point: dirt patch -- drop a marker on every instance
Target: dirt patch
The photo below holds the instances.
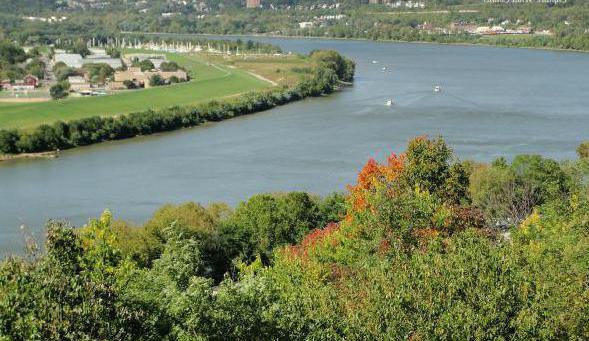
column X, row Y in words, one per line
column 23, row 100
column 44, row 155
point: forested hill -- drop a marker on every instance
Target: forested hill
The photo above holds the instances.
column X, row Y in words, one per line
column 563, row 25
column 421, row 247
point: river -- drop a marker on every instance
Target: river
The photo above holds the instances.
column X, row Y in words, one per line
column 494, row 101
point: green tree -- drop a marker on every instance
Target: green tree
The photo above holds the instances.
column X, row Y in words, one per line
column 583, row 150
column 169, row 66
column 156, row 80
column 59, row 90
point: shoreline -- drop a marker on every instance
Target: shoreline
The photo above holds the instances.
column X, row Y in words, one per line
column 23, row 156
column 264, row 35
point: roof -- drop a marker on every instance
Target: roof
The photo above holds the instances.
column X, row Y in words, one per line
column 103, row 59
column 70, row 59
column 76, row 80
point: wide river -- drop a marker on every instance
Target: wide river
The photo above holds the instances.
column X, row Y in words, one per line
column 494, row 101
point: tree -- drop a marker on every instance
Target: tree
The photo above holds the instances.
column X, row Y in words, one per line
column 169, row 66
column 156, row 80
column 129, row 84
column 113, row 52
column 59, row 90
column 8, row 141
column 583, row 150
column 145, row 65
column 80, row 47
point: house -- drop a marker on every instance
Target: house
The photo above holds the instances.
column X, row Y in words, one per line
column 6, row 84
column 29, row 82
column 78, row 84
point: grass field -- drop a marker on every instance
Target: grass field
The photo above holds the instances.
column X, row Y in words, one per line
column 279, row 69
column 210, row 81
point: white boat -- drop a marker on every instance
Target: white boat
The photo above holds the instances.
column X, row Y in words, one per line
column 437, row 88
column 389, row 102
column 384, row 68
column 375, row 62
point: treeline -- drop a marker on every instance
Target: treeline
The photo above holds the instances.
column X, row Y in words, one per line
column 330, row 68
column 412, row 251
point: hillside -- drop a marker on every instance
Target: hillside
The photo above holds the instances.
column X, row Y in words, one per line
column 421, row 247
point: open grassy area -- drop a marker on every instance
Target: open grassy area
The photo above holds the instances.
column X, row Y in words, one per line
column 283, row 70
column 210, row 81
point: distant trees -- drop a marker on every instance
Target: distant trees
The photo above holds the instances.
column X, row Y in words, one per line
column 145, row 65
column 11, row 53
column 10, row 56
column 36, row 68
column 343, row 67
column 80, row 47
column 62, row 71
column 129, row 84
column 99, row 73
column 113, row 52
column 156, row 80
column 169, row 66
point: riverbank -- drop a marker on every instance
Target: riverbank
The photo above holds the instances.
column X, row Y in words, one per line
column 280, row 36
column 21, row 156
column 326, row 70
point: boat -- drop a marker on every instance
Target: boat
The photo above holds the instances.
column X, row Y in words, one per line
column 437, row 88
column 375, row 62
column 384, row 68
column 389, row 102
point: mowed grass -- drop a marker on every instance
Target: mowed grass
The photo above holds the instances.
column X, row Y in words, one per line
column 208, row 82
column 279, row 69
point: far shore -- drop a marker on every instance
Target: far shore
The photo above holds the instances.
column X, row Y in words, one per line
column 269, row 35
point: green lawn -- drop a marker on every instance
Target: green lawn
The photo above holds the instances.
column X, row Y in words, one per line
column 209, row 82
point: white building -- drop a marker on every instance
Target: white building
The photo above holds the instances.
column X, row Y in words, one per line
column 115, row 63
column 70, row 59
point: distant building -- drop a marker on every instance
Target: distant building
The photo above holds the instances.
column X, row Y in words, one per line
column 76, row 61
column 30, row 82
column 6, row 84
column 70, row 59
column 115, row 63
column 78, row 84
column 463, row 27
column 252, row 3
column 141, row 78
column 306, row 24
